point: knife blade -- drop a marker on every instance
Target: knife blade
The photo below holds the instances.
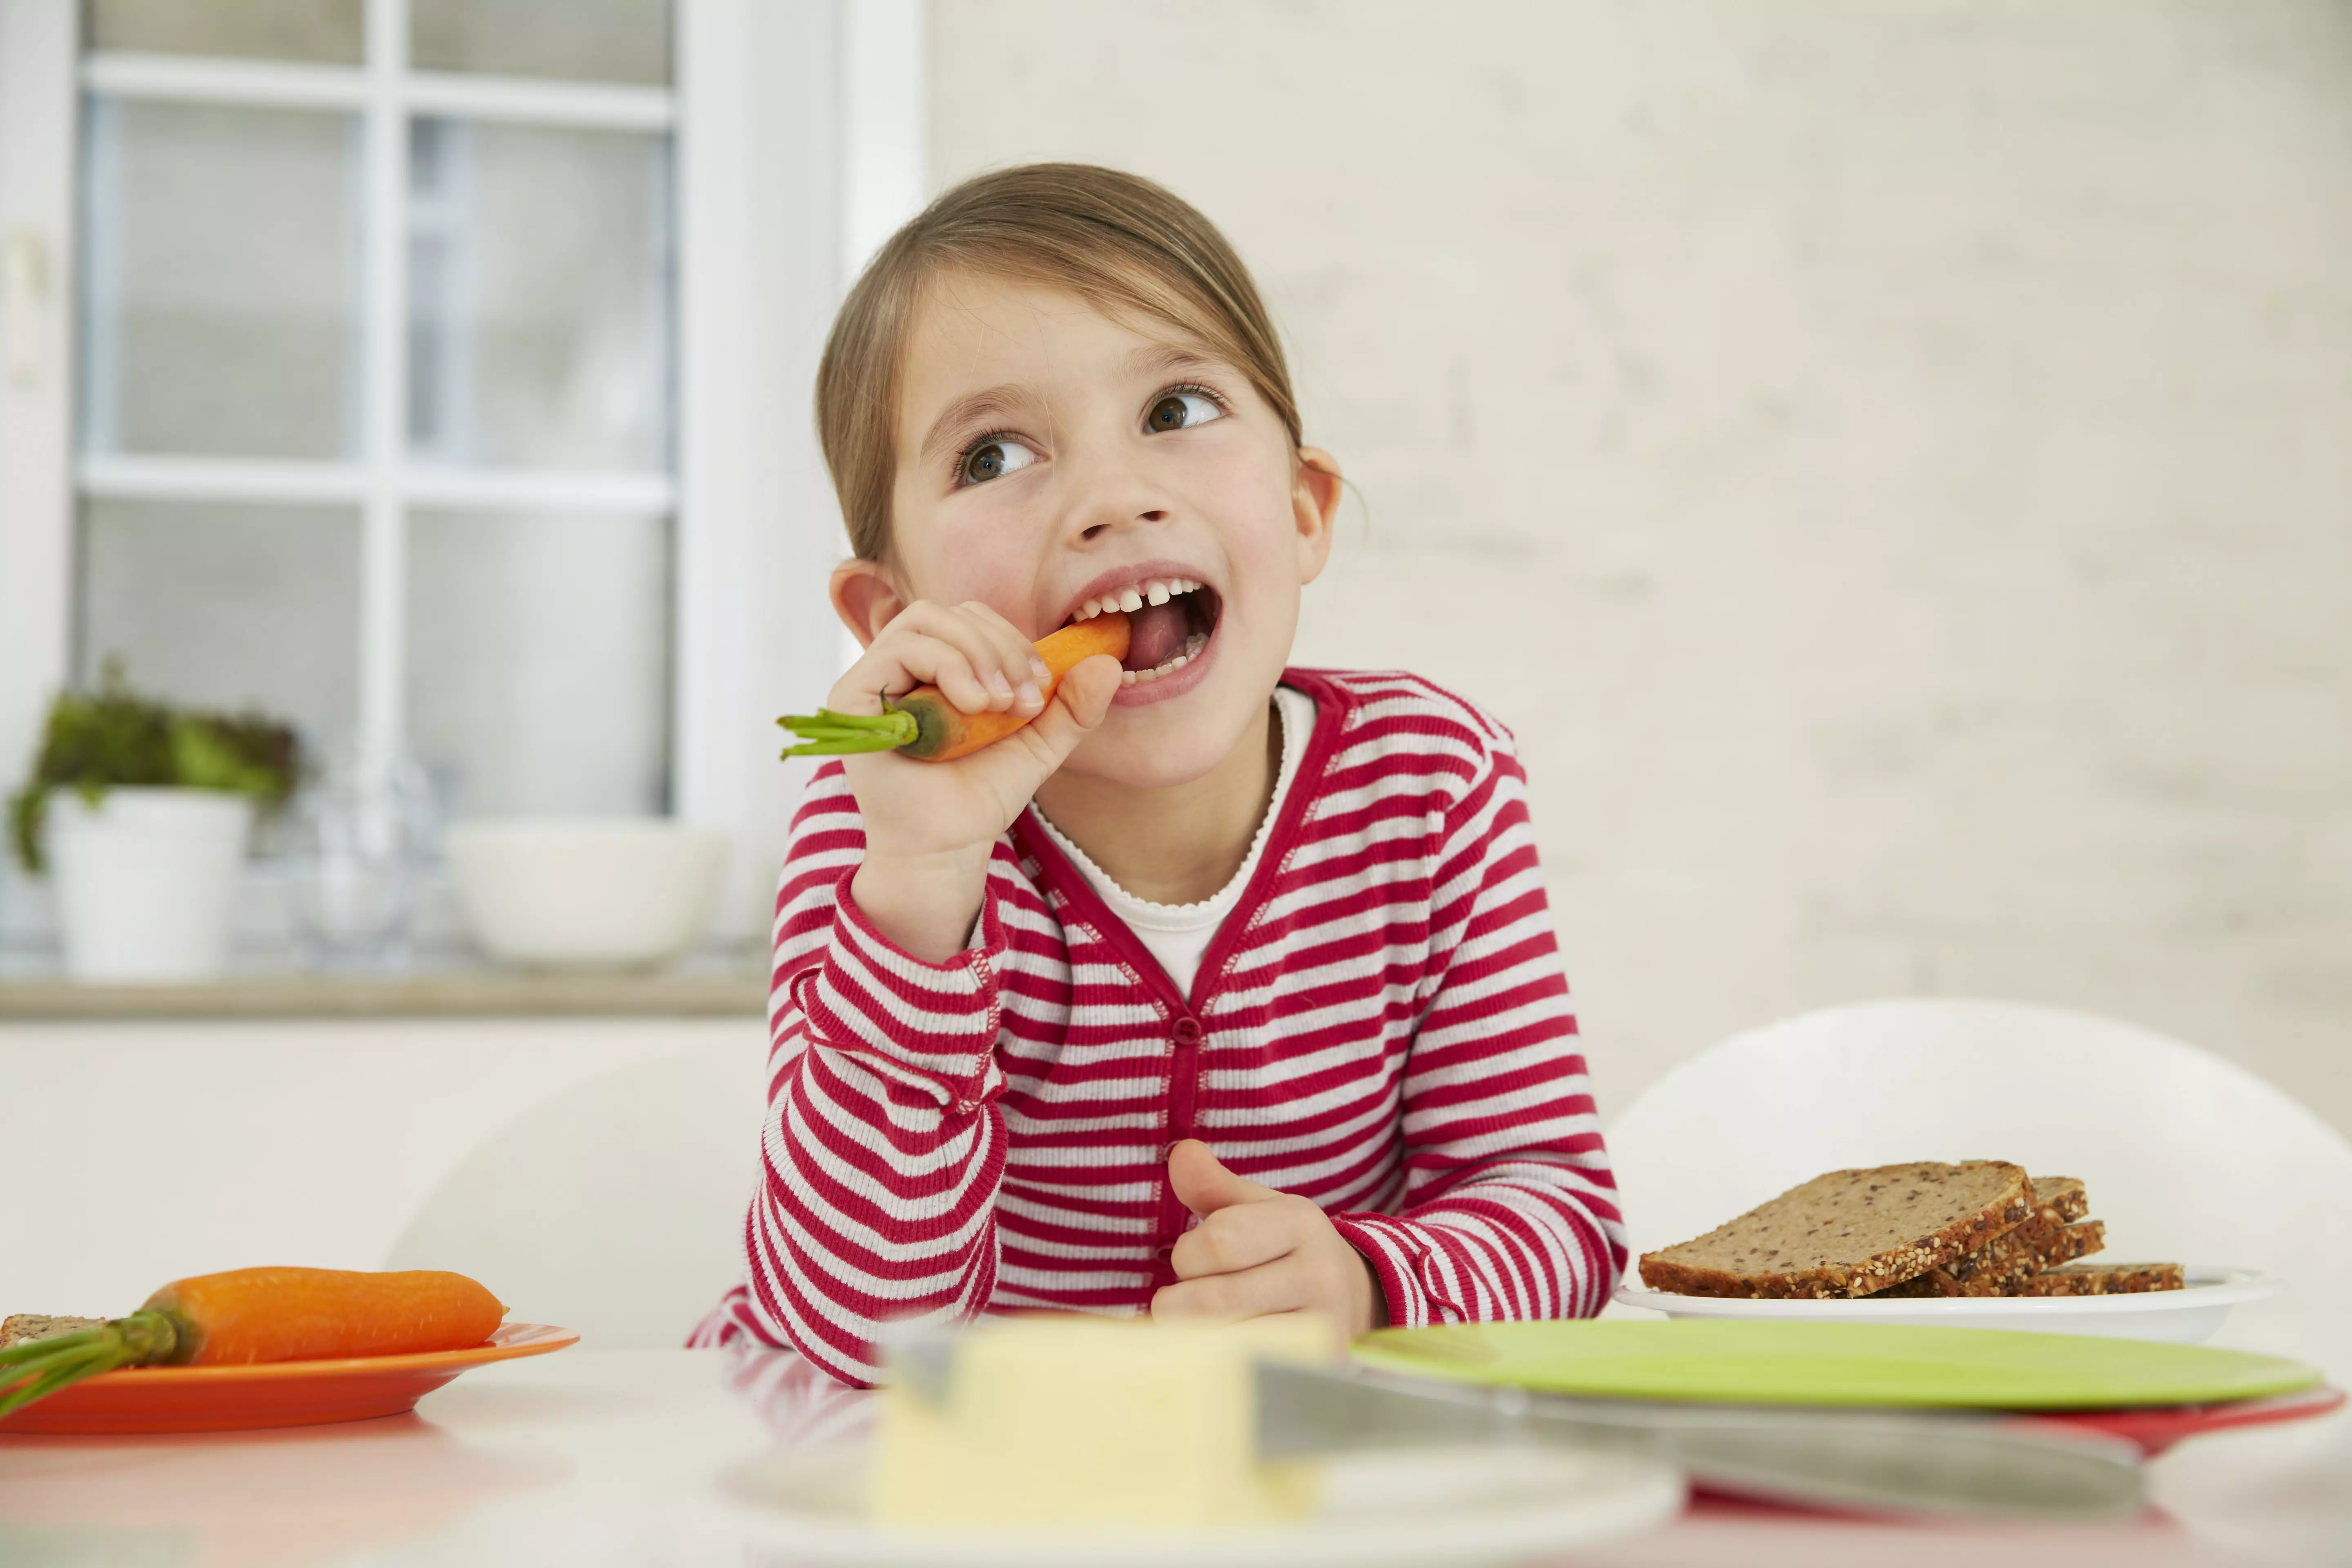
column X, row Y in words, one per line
column 1959, row 1463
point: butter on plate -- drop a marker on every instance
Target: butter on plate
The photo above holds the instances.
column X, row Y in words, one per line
column 1073, row 1422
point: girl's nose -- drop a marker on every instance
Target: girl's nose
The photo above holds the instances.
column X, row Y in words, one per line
column 1091, row 531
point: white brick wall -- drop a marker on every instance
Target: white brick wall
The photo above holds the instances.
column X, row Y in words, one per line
column 1892, row 465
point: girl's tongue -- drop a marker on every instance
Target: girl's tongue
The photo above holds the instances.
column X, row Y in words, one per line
column 1156, row 633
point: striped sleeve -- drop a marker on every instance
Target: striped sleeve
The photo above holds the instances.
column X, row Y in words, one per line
column 884, row 1146
column 1510, row 1210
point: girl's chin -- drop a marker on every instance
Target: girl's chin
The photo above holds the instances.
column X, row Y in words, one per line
column 1176, row 683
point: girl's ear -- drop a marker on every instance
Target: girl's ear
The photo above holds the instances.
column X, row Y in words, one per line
column 1314, row 502
column 865, row 598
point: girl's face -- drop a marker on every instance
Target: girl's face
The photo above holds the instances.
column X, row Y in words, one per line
column 1053, row 462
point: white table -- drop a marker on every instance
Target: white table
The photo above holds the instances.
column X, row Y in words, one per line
column 616, row 1457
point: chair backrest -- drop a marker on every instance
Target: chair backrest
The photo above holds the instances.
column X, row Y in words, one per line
column 2186, row 1157
column 615, row 1208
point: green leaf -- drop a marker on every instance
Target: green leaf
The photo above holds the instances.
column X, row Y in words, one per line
column 96, row 741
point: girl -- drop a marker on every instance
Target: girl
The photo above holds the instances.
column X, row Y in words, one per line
column 1220, row 989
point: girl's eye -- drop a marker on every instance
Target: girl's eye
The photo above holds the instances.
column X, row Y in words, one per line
column 993, row 458
column 1181, row 411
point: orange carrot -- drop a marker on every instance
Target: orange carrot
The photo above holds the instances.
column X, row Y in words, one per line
column 261, row 1315
column 925, row 725
column 317, row 1314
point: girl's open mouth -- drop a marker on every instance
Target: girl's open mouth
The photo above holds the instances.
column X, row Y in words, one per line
column 1170, row 621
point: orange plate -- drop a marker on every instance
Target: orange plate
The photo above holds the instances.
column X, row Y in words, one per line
column 272, row 1394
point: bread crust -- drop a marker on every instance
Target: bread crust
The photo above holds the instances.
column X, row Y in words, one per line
column 2107, row 1280
column 2005, row 1265
column 1849, row 1232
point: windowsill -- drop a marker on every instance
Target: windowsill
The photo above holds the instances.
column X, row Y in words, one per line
column 690, row 991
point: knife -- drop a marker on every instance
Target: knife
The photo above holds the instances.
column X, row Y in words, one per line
column 1957, row 1462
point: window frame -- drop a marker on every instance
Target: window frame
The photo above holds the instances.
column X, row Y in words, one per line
column 798, row 144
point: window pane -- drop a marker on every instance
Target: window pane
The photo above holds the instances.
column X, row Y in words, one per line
column 539, row 661
column 587, row 40
column 221, row 280
column 227, row 605
column 328, row 32
column 539, row 307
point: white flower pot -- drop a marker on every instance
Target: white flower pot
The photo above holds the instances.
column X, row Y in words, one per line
column 146, row 881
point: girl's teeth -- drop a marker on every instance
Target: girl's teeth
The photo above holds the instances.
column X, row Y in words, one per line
column 1157, row 590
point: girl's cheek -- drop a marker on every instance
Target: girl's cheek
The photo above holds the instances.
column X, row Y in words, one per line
column 979, row 555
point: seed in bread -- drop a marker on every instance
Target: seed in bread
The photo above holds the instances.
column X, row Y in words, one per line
column 1849, row 1232
column 2107, row 1280
column 23, row 1326
column 2064, row 1196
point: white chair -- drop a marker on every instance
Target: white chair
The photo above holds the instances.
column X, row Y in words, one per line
column 615, row 1208
column 2186, row 1157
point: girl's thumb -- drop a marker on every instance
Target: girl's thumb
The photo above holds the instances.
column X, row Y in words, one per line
column 1203, row 1184
column 1088, row 689
column 1079, row 702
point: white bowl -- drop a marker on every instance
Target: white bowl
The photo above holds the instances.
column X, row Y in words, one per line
column 585, row 892
column 2184, row 1317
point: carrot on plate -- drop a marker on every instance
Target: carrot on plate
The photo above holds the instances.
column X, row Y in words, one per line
column 250, row 1315
column 925, row 725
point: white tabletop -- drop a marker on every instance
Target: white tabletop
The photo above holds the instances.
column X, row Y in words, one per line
column 590, row 1458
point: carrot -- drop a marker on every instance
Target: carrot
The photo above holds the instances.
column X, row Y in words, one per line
column 925, row 725
column 251, row 1315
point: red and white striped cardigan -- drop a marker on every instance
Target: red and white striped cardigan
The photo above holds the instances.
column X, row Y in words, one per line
column 1381, row 1025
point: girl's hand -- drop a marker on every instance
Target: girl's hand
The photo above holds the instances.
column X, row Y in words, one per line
column 1257, row 1252
column 929, row 826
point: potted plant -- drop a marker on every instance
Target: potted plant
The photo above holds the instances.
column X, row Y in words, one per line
column 142, row 812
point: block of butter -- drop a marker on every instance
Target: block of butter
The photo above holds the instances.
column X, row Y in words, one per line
column 1067, row 1422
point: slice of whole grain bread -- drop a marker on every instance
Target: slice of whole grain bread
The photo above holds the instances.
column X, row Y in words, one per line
column 2107, row 1280
column 2005, row 1265
column 1849, row 1232
column 23, row 1326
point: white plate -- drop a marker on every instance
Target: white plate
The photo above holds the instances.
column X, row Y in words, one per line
column 2184, row 1316
column 1428, row 1507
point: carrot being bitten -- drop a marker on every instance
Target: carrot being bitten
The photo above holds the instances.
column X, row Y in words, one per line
column 250, row 1315
column 925, row 725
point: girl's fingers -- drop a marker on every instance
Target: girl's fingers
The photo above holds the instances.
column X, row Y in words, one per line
column 1000, row 657
column 959, row 629
column 1235, row 1238
column 1025, row 673
column 1224, row 1298
column 901, row 660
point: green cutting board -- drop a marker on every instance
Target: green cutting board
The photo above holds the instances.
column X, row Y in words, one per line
column 1831, row 1363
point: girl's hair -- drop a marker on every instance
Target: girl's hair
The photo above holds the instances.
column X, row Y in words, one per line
column 1122, row 243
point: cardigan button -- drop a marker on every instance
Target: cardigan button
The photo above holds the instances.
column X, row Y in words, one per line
column 1187, row 1031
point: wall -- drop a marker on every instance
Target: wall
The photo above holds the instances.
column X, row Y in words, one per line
column 1892, row 466
column 300, row 1141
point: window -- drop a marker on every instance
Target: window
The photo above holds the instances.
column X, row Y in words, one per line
column 438, row 373
column 376, row 315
